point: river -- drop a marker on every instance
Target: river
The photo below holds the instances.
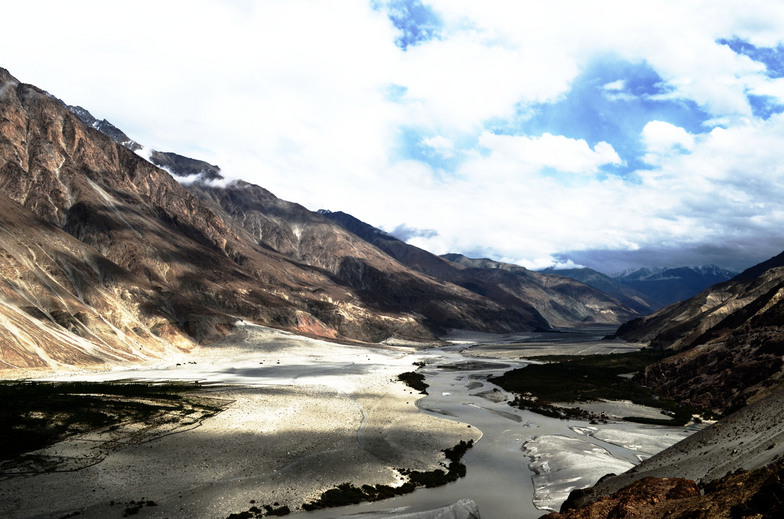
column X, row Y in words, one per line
column 523, row 464
column 499, row 477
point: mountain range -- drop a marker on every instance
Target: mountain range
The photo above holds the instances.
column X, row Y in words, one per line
column 106, row 257
column 728, row 341
column 649, row 289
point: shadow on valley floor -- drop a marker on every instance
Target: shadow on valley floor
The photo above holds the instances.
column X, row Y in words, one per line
column 238, row 456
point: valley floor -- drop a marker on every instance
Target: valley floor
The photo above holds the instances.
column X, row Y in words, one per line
column 302, row 416
column 308, row 415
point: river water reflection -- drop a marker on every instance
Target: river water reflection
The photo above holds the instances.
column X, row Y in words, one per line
column 571, row 454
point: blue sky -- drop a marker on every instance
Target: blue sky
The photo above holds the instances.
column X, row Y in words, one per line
column 607, row 134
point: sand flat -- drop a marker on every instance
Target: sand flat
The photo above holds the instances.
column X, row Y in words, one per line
column 305, row 416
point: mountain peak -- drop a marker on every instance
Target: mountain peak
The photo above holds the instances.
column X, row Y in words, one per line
column 104, row 127
column 184, row 168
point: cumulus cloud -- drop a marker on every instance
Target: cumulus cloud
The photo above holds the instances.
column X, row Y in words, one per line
column 314, row 100
column 441, row 145
column 550, row 151
column 662, row 139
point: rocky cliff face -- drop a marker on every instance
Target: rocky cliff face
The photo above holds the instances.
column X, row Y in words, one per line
column 758, row 494
column 104, row 250
column 186, row 271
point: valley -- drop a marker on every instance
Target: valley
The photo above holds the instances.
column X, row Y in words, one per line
column 267, row 343
column 301, row 416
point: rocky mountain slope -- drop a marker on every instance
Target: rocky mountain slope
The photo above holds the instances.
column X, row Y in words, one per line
column 316, row 241
column 562, row 301
column 728, row 347
column 126, row 257
column 729, row 339
column 665, row 286
column 757, row 494
column 732, row 468
column 630, row 297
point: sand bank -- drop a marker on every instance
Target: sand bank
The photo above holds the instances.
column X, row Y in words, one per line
column 308, row 416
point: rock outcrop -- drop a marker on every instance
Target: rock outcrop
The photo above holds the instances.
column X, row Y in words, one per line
column 758, row 494
column 736, row 461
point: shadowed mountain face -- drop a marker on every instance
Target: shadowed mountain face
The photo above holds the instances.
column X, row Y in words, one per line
column 666, row 286
column 563, row 302
column 377, row 279
column 623, row 293
column 103, row 250
column 730, row 340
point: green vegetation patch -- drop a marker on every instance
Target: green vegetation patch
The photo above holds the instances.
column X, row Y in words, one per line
column 35, row 415
column 584, row 378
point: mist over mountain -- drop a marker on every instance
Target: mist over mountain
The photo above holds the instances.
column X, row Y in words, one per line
column 106, row 259
column 165, row 265
column 167, row 268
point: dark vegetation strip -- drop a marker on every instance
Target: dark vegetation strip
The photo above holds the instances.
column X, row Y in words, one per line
column 348, row 494
column 414, row 380
column 34, row 415
column 265, row 511
column 584, row 378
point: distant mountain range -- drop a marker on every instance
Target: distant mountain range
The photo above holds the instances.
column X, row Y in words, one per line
column 648, row 289
column 668, row 285
column 561, row 301
column 106, row 258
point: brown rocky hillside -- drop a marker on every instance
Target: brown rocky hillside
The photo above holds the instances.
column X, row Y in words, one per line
column 127, row 258
column 729, row 342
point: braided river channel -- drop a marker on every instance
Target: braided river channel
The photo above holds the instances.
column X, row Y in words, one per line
column 525, row 464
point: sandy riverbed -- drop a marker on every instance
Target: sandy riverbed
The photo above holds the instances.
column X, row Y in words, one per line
column 309, row 415
column 302, row 416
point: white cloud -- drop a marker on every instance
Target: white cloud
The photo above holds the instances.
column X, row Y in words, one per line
column 441, row 145
column 615, row 86
column 294, row 95
column 614, row 91
column 550, row 151
column 662, row 139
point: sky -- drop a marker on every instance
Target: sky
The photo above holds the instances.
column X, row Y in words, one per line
column 607, row 134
